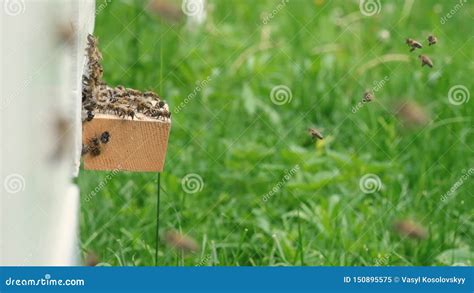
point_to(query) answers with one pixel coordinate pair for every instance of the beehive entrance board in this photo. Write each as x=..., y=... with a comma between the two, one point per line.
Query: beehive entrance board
x=135, y=145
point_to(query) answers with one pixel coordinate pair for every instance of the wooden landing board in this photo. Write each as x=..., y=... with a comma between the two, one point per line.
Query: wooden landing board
x=135, y=145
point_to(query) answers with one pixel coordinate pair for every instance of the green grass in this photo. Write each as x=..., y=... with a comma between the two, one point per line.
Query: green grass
x=242, y=145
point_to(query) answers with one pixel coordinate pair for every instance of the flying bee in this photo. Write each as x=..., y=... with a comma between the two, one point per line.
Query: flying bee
x=368, y=96
x=62, y=133
x=66, y=34
x=432, y=40
x=105, y=137
x=411, y=229
x=413, y=44
x=181, y=242
x=425, y=60
x=315, y=133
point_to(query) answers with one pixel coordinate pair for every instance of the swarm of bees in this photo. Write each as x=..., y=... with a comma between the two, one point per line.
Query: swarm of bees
x=94, y=146
x=97, y=96
x=413, y=44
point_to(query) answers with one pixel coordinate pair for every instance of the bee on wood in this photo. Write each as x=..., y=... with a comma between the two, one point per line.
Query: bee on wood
x=413, y=44
x=94, y=150
x=150, y=94
x=181, y=242
x=85, y=149
x=425, y=60
x=432, y=40
x=94, y=146
x=315, y=133
x=368, y=96
x=411, y=229
x=142, y=106
x=134, y=92
x=90, y=116
x=130, y=113
x=105, y=137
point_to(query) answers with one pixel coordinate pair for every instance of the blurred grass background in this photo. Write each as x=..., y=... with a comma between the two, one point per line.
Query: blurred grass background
x=242, y=145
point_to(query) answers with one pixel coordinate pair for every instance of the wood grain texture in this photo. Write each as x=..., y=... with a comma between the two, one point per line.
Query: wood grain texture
x=135, y=145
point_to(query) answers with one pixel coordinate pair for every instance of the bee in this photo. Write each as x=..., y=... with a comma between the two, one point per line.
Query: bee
x=161, y=104
x=93, y=147
x=62, y=132
x=425, y=60
x=368, y=96
x=143, y=106
x=94, y=141
x=90, y=116
x=91, y=259
x=134, y=92
x=105, y=137
x=130, y=113
x=94, y=150
x=413, y=44
x=315, y=133
x=85, y=149
x=181, y=242
x=150, y=94
x=66, y=34
x=123, y=112
x=432, y=40
x=411, y=229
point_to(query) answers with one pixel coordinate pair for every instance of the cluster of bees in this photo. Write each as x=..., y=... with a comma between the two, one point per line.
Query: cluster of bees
x=413, y=44
x=97, y=96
